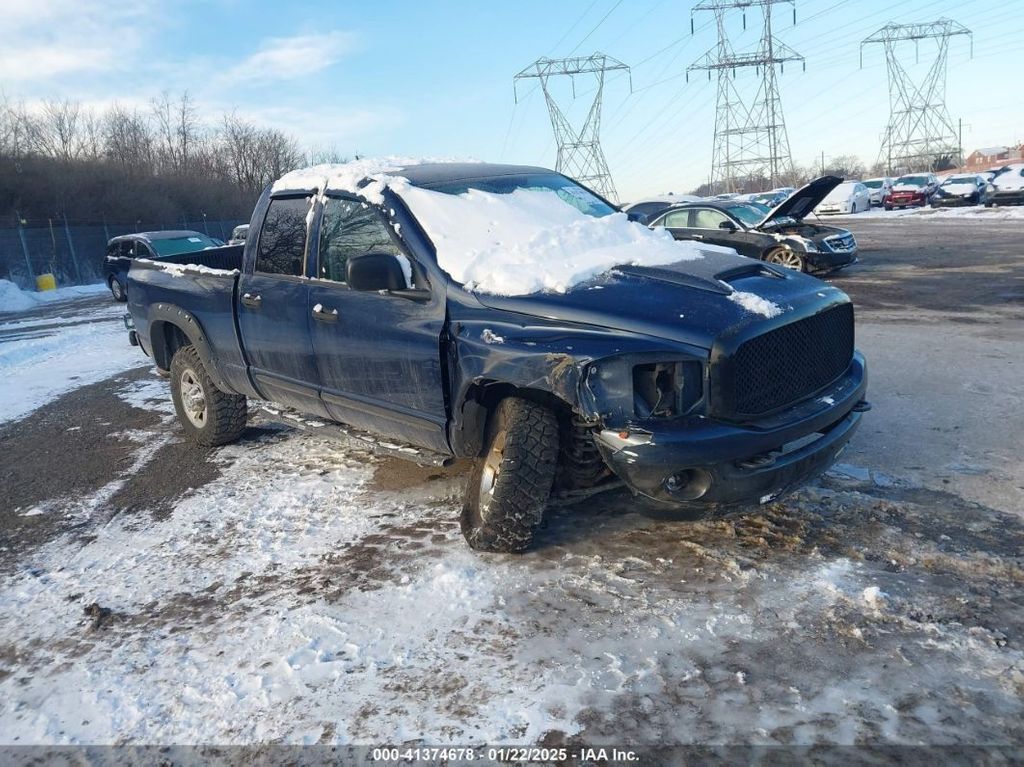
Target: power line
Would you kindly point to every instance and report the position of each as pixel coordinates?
(596, 26)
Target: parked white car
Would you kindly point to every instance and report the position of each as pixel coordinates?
(1008, 186)
(848, 197)
(879, 188)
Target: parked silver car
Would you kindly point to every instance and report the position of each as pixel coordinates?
(238, 234)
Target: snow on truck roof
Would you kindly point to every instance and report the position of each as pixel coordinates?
(530, 239)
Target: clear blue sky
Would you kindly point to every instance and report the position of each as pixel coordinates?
(435, 78)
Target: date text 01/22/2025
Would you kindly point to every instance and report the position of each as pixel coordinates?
(386, 754)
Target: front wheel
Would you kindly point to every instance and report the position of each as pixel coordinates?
(208, 415)
(509, 486)
(117, 289)
(788, 258)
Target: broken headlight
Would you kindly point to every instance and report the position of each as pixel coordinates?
(622, 389)
(666, 389)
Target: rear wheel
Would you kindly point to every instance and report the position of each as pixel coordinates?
(117, 289)
(786, 257)
(509, 486)
(208, 415)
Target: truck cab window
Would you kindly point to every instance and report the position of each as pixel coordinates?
(282, 244)
(350, 229)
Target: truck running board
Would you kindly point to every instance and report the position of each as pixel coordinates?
(357, 437)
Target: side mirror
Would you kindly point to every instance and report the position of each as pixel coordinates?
(728, 226)
(375, 271)
(640, 218)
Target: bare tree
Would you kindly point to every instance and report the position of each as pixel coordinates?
(844, 165)
(128, 140)
(55, 132)
(177, 126)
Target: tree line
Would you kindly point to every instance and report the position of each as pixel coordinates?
(161, 163)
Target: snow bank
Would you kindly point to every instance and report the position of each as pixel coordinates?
(14, 299)
(971, 212)
(532, 240)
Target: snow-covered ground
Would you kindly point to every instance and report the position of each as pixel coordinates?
(43, 357)
(313, 593)
(974, 212)
(293, 599)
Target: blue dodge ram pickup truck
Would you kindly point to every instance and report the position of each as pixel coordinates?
(675, 378)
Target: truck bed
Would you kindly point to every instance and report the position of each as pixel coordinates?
(227, 258)
(197, 291)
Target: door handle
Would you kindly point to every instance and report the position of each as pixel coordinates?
(324, 315)
(698, 236)
(252, 301)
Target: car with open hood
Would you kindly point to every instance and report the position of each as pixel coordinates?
(960, 189)
(913, 190)
(779, 235)
(511, 316)
(1007, 186)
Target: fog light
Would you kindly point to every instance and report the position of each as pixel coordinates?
(688, 485)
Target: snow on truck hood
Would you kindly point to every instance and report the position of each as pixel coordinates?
(514, 244)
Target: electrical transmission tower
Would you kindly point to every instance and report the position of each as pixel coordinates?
(750, 143)
(920, 132)
(579, 151)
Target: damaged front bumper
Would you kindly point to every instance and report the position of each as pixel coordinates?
(704, 463)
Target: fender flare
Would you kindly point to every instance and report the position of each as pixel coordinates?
(161, 314)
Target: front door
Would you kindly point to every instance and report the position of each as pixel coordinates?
(378, 354)
(273, 310)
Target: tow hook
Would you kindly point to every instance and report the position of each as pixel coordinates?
(762, 461)
(862, 407)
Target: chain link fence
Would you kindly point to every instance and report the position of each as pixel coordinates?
(73, 252)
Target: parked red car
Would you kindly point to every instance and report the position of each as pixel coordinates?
(911, 191)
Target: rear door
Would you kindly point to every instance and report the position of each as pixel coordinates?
(378, 355)
(273, 310)
(704, 225)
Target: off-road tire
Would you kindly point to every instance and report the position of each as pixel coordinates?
(225, 414)
(506, 518)
(117, 289)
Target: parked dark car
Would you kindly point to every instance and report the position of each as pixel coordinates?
(645, 210)
(962, 189)
(914, 190)
(121, 251)
(337, 307)
(778, 235)
(1007, 186)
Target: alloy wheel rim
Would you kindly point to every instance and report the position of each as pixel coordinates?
(787, 258)
(491, 471)
(193, 399)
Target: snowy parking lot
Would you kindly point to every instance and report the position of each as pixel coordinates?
(291, 589)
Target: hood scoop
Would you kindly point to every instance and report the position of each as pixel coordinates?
(715, 282)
